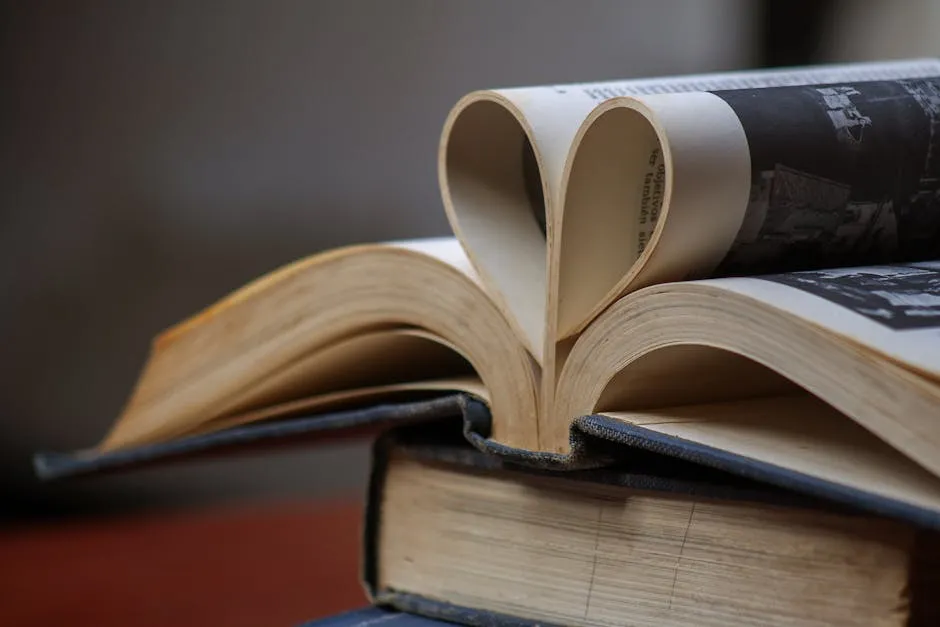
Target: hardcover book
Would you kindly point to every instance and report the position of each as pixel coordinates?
(745, 267)
(458, 535)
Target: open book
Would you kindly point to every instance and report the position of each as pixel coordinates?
(746, 261)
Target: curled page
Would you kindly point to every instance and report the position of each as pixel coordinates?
(501, 161)
(672, 187)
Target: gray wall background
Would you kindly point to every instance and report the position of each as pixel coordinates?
(156, 155)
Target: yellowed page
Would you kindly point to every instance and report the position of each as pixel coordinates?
(365, 360)
(334, 401)
(636, 356)
(893, 310)
(801, 434)
(262, 342)
(563, 552)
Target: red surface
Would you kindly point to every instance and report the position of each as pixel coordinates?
(272, 566)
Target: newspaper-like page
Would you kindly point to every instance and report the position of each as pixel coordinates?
(837, 175)
(841, 174)
(491, 139)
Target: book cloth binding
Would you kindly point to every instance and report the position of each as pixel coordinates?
(596, 441)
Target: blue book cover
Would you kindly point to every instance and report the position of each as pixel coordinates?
(373, 617)
(596, 441)
(644, 473)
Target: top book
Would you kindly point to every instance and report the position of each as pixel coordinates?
(748, 261)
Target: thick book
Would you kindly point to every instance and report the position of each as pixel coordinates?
(750, 269)
(458, 535)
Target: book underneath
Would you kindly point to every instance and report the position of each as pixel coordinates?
(452, 529)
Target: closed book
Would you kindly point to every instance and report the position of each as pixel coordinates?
(465, 537)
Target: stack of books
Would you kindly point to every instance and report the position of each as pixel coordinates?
(680, 364)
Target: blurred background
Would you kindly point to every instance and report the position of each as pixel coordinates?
(158, 154)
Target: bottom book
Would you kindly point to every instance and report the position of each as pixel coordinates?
(374, 616)
(463, 537)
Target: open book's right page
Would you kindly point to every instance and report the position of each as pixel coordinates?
(892, 309)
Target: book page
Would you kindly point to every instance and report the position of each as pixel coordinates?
(348, 399)
(503, 152)
(865, 341)
(841, 174)
(316, 328)
(801, 434)
(893, 309)
(656, 190)
(838, 175)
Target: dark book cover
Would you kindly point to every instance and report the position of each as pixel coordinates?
(371, 616)
(596, 442)
(307, 430)
(643, 469)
